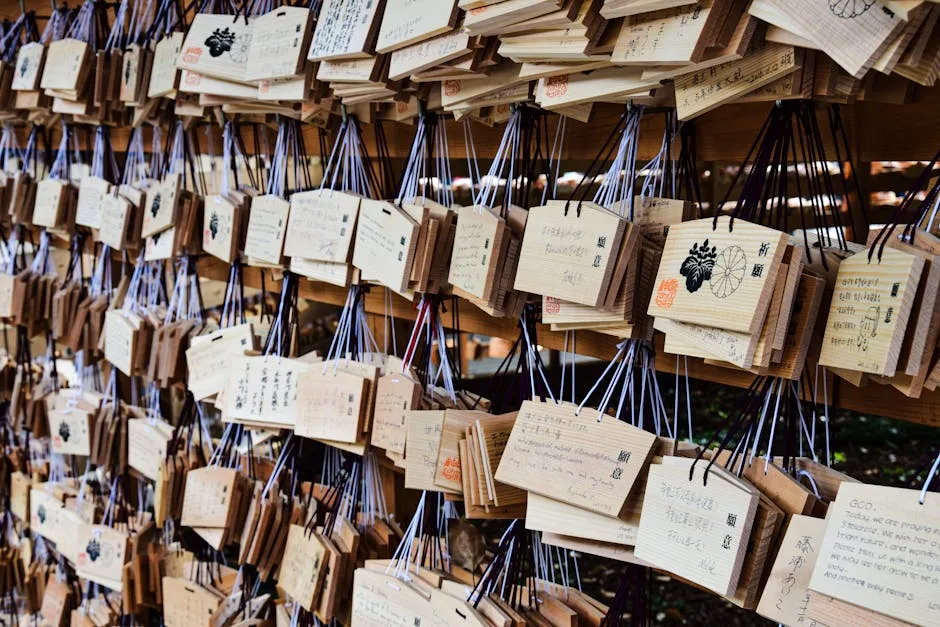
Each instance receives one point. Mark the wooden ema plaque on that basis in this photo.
(263, 391)
(406, 22)
(871, 305)
(386, 238)
(720, 276)
(569, 251)
(448, 470)
(424, 429)
(217, 46)
(330, 404)
(479, 246)
(303, 567)
(267, 222)
(880, 552)
(853, 33)
(574, 458)
(701, 91)
(321, 226)
(786, 593)
(346, 29)
(695, 529)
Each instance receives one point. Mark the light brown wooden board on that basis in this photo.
(727, 285)
(872, 530)
(574, 458)
(871, 305)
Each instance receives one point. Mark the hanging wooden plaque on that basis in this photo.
(703, 90)
(71, 432)
(279, 39)
(217, 46)
(91, 194)
(395, 395)
(871, 305)
(220, 228)
(322, 224)
(853, 34)
(102, 556)
(406, 22)
(30, 59)
(303, 567)
(209, 356)
(785, 595)
(697, 530)
(479, 247)
(267, 222)
(386, 238)
(424, 430)
(67, 63)
(161, 210)
(877, 552)
(569, 251)
(263, 391)
(164, 76)
(718, 277)
(330, 404)
(574, 458)
(346, 29)
(115, 213)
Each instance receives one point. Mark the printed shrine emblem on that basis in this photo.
(93, 549)
(41, 513)
(848, 9)
(723, 271)
(214, 224)
(64, 431)
(155, 206)
(697, 267)
(223, 40)
(24, 67)
(220, 41)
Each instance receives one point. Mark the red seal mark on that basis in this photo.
(552, 305)
(193, 79)
(264, 87)
(192, 54)
(451, 470)
(667, 293)
(556, 86)
(451, 88)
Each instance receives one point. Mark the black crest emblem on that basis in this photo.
(220, 41)
(24, 66)
(697, 267)
(93, 549)
(64, 431)
(41, 513)
(155, 206)
(214, 225)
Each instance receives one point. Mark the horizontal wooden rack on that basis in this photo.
(871, 399)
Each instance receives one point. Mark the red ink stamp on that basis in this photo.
(667, 293)
(556, 86)
(192, 55)
(552, 305)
